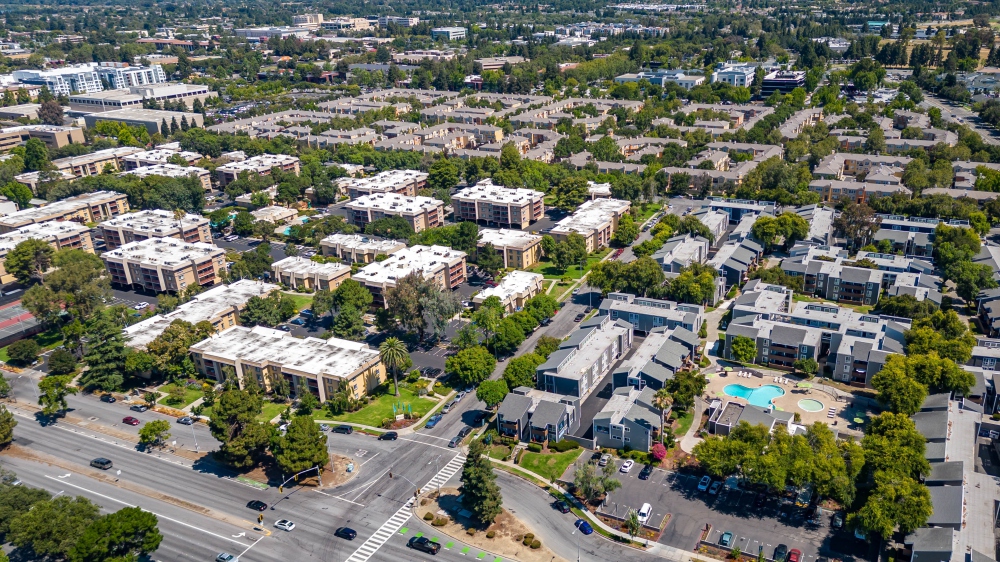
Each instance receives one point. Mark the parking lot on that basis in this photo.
(754, 527)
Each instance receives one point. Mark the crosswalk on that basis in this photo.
(390, 527)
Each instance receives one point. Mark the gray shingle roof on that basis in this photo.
(547, 413)
(514, 406)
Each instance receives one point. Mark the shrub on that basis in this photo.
(440, 522)
(471, 532)
(428, 516)
(519, 538)
(536, 544)
(23, 352)
(529, 536)
(61, 362)
(491, 534)
(564, 445)
(423, 502)
(535, 447)
(526, 541)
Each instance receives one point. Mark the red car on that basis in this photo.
(794, 555)
(129, 420)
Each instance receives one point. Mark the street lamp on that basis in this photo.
(193, 434)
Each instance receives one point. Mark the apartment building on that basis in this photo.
(63, 81)
(402, 182)
(259, 165)
(832, 191)
(159, 156)
(496, 205)
(317, 366)
(59, 235)
(661, 355)
(585, 357)
(681, 251)
(143, 225)
(840, 164)
(520, 249)
(121, 75)
(646, 314)
(358, 248)
(89, 207)
(628, 419)
(514, 290)
(298, 272)
(203, 176)
(534, 415)
(446, 267)
(165, 264)
(274, 214)
(734, 261)
(94, 163)
(595, 220)
(53, 136)
(219, 306)
(420, 212)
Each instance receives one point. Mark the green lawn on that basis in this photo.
(46, 340)
(268, 412)
(550, 271)
(646, 211)
(190, 395)
(683, 424)
(302, 302)
(381, 408)
(551, 465)
(498, 452)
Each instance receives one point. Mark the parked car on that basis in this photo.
(794, 555)
(388, 436)
(716, 486)
(584, 527)
(562, 506)
(647, 471)
(579, 317)
(447, 407)
(186, 420)
(644, 512)
(226, 557)
(138, 408)
(284, 524)
(346, 533)
(345, 429)
(454, 441)
(726, 540)
(141, 305)
(605, 459)
(257, 505)
(433, 421)
(705, 482)
(101, 463)
(424, 544)
(588, 310)
(108, 398)
(545, 322)
(837, 522)
(627, 466)
(780, 552)
(464, 432)
(576, 291)
(129, 420)
(324, 427)
(480, 418)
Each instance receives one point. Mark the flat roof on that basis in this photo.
(166, 170)
(395, 203)
(154, 220)
(388, 180)
(163, 251)
(487, 191)
(258, 163)
(39, 231)
(514, 283)
(589, 350)
(591, 215)
(310, 356)
(202, 307)
(503, 238)
(363, 242)
(65, 206)
(424, 259)
(162, 155)
(299, 265)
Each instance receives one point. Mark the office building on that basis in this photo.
(142, 225)
(59, 235)
(89, 207)
(52, 135)
(446, 267)
(448, 33)
(203, 176)
(122, 75)
(782, 81)
(137, 96)
(401, 21)
(151, 119)
(739, 75)
(298, 272)
(265, 33)
(585, 357)
(320, 367)
(520, 249)
(307, 20)
(596, 220)
(514, 290)
(63, 81)
(219, 306)
(420, 212)
(165, 264)
(358, 248)
(259, 165)
(403, 182)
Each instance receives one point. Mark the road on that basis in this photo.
(968, 117)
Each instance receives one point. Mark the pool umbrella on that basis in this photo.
(805, 385)
(728, 369)
(859, 420)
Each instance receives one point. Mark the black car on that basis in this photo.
(647, 471)
(760, 500)
(388, 436)
(579, 317)
(780, 553)
(346, 533)
(424, 544)
(480, 418)
(464, 432)
(562, 506)
(108, 398)
(545, 322)
(257, 505)
(343, 429)
(138, 407)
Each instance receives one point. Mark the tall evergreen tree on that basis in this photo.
(173, 125)
(105, 355)
(164, 129)
(480, 492)
(184, 122)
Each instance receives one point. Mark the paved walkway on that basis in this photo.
(691, 438)
(406, 430)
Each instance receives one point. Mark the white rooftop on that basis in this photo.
(514, 283)
(261, 163)
(591, 215)
(154, 220)
(395, 203)
(65, 206)
(599, 189)
(46, 231)
(299, 265)
(162, 155)
(389, 180)
(486, 191)
(362, 242)
(166, 170)
(424, 259)
(165, 251)
(503, 238)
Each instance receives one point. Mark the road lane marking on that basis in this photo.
(188, 525)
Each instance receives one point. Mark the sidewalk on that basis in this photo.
(409, 430)
(691, 438)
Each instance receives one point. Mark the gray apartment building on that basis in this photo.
(585, 357)
(658, 359)
(681, 251)
(534, 415)
(645, 314)
(629, 419)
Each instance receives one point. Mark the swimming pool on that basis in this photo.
(755, 396)
(810, 405)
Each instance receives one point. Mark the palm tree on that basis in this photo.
(663, 400)
(393, 354)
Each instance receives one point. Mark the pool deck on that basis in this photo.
(788, 402)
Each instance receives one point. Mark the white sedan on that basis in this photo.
(284, 524)
(627, 466)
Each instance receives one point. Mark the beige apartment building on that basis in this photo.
(260, 165)
(421, 212)
(165, 264)
(174, 171)
(89, 207)
(403, 182)
(358, 248)
(444, 266)
(496, 205)
(596, 220)
(94, 163)
(520, 249)
(59, 235)
(298, 272)
(320, 367)
(142, 225)
(53, 136)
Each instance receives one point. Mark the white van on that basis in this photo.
(644, 513)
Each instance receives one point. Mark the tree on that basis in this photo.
(808, 366)
(442, 175)
(876, 140)
(53, 527)
(348, 324)
(154, 433)
(127, 534)
(897, 501)
(520, 371)
(489, 259)
(389, 227)
(508, 337)
(570, 193)
(743, 349)
(4, 387)
(591, 483)
(684, 387)
(393, 353)
(234, 424)
(633, 526)
(303, 446)
(353, 293)
(492, 392)
(896, 389)
(53, 391)
(29, 260)
(471, 366)
(271, 310)
(243, 223)
(105, 355)
(942, 332)
(480, 492)
(892, 443)
(36, 156)
(23, 352)
(906, 306)
(171, 349)
(51, 113)
(627, 231)
(691, 224)
(19, 193)
(546, 345)
(7, 425)
(857, 223)
(15, 500)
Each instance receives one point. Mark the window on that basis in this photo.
(626, 439)
(626, 430)
(617, 437)
(847, 367)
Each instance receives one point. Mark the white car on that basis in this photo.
(284, 524)
(141, 306)
(627, 466)
(644, 512)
